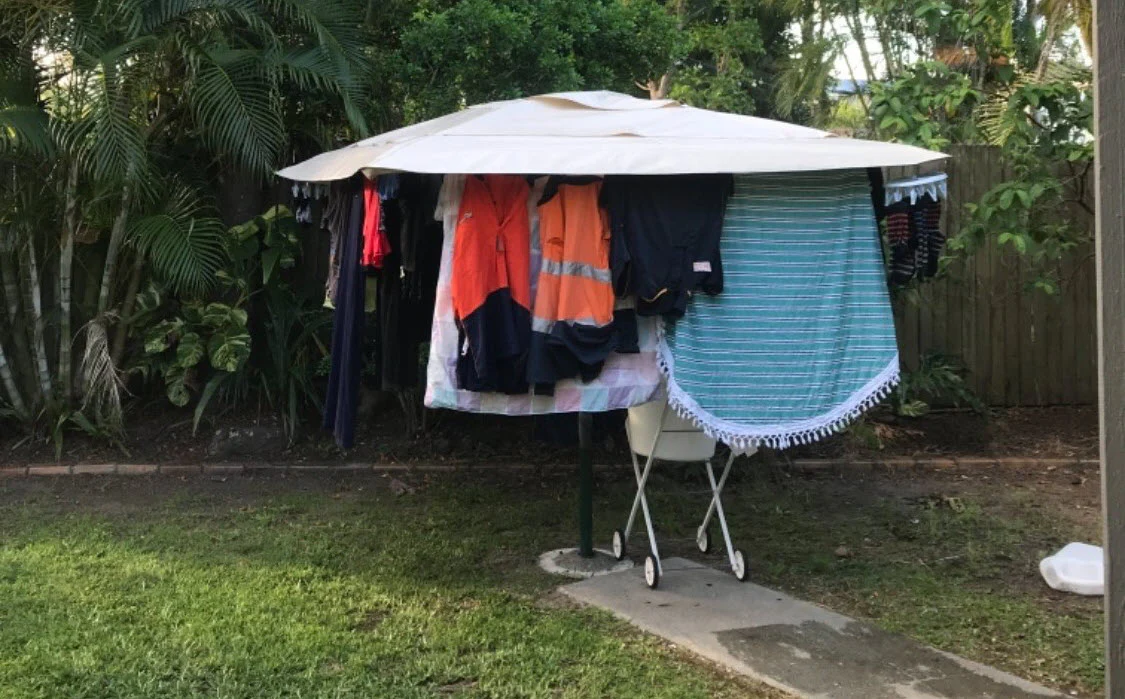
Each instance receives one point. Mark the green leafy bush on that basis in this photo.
(202, 350)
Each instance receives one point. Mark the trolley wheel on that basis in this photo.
(652, 574)
(741, 570)
(618, 544)
(703, 540)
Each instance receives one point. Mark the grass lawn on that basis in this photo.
(307, 587)
(332, 586)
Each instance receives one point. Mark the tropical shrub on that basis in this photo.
(129, 130)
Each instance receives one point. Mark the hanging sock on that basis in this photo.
(935, 238)
(919, 238)
(902, 244)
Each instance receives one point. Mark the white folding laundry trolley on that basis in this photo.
(657, 433)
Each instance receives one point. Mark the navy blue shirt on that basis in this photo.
(665, 237)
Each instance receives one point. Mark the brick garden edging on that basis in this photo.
(809, 466)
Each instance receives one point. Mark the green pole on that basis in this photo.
(585, 487)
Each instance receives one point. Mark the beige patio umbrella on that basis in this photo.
(601, 133)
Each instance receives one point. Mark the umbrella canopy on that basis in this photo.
(601, 133)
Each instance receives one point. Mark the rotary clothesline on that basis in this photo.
(596, 365)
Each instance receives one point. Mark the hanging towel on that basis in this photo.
(802, 340)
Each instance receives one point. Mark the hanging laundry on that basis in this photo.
(335, 222)
(303, 195)
(926, 222)
(420, 245)
(538, 185)
(342, 399)
(802, 339)
(375, 244)
(665, 238)
(405, 300)
(572, 327)
(625, 380)
(491, 284)
(911, 209)
(417, 199)
(903, 245)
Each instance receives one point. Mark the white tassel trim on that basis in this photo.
(783, 435)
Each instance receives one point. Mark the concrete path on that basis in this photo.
(793, 645)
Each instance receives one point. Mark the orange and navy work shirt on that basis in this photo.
(490, 284)
(573, 320)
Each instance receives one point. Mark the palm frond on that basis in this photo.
(806, 76)
(315, 69)
(185, 245)
(159, 13)
(25, 130)
(341, 47)
(106, 138)
(101, 382)
(238, 110)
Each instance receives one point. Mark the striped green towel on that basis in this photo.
(802, 339)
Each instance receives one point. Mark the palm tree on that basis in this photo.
(1059, 16)
(115, 116)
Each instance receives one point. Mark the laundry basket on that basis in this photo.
(658, 434)
(680, 441)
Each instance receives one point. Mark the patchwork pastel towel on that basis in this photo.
(801, 340)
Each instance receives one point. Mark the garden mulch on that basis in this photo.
(160, 434)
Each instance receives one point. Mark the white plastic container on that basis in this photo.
(1077, 568)
(682, 441)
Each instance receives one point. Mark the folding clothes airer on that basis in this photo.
(658, 434)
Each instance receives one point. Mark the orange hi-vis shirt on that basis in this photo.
(491, 284)
(492, 243)
(575, 283)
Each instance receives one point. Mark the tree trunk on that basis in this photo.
(858, 90)
(66, 279)
(11, 283)
(35, 307)
(658, 89)
(855, 24)
(20, 359)
(116, 237)
(1050, 38)
(13, 391)
(121, 334)
(241, 196)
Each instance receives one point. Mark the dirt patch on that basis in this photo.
(556, 600)
(1069, 432)
(159, 433)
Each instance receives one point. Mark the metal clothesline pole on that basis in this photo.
(585, 486)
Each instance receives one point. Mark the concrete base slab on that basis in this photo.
(792, 645)
(568, 563)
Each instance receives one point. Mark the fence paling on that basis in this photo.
(1021, 347)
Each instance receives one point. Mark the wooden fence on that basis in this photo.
(1021, 347)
